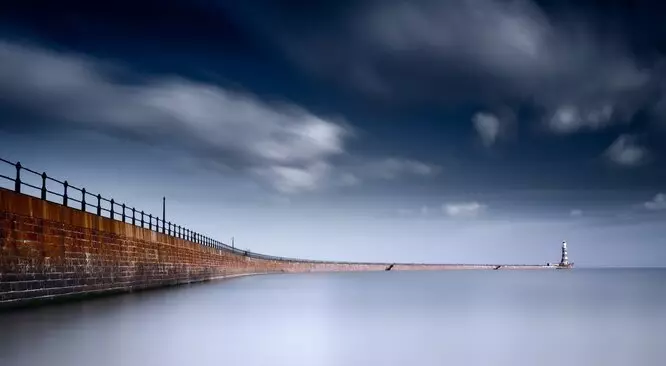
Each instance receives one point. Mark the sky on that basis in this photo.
(469, 131)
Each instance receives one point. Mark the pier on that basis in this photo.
(83, 244)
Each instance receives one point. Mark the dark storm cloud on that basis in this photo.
(127, 21)
(487, 52)
(487, 60)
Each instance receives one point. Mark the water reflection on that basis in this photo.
(609, 317)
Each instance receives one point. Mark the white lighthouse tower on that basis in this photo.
(564, 262)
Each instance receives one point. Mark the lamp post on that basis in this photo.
(163, 214)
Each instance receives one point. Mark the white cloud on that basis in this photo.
(569, 118)
(487, 126)
(287, 179)
(658, 202)
(626, 151)
(281, 143)
(464, 209)
(576, 213)
(393, 168)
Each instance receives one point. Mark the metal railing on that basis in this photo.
(81, 199)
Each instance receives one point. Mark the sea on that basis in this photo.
(467, 317)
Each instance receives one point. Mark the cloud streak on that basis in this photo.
(487, 126)
(569, 118)
(626, 151)
(464, 209)
(285, 145)
(576, 213)
(658, 202)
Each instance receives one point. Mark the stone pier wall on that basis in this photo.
(48, 251)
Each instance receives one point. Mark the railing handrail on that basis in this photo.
(145, 220)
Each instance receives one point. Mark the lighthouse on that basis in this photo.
(564, 262)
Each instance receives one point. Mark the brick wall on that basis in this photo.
(51, 251)
(48, 251)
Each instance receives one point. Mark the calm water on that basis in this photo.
(587, 317)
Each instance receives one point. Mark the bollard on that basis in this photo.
(64, 196)
(44, 186)
(17, 181)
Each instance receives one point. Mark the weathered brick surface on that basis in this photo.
(48, 250)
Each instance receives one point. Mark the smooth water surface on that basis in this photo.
(579, 317)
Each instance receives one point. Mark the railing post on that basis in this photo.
(123, 212)
(111, 211)
(44, 186)
(141, 218)
(99, 204)
(83, 199)
(64, 196)
(17, 181)
(133, 217)
(169, 230)
(150, 222)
